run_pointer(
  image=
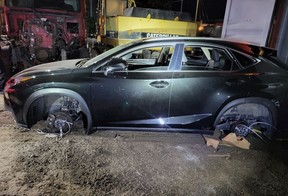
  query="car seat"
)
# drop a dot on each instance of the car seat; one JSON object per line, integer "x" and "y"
{"x": 215, "y": 59}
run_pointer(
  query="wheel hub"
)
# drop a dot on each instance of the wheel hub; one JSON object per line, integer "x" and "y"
{"x": 59, "y": 122}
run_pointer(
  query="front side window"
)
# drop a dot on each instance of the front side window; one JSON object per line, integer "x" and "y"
{"x": 151, "y": 58}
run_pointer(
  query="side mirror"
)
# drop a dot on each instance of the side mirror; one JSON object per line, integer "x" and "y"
{"x": 115, "y": 64}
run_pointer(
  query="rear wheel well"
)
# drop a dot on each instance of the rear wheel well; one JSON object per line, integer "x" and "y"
{"x": 248, "y": 111}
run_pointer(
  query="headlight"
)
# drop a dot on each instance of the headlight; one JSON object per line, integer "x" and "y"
{"x": 14, "y": 81}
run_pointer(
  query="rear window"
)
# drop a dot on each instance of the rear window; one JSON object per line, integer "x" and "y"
{"x": 244, "y": 60}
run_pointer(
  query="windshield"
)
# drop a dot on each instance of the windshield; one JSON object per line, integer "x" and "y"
{"x": 69, "y": 5}
{"x": 107, "y": 54}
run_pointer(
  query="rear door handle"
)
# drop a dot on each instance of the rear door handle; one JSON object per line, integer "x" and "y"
{"x": 159, "y": 84}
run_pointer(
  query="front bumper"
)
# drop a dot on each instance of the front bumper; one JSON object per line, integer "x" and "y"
{"x": 12, "y": 107}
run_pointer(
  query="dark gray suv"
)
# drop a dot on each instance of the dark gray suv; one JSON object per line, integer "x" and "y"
{"x": 169, "y": 84}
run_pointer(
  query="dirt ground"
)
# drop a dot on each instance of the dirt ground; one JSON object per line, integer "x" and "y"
{"x": 135, "y": 163}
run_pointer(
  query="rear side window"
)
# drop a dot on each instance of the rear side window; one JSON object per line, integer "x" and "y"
{"x": 205, "y": 58}
{"x": 243, "y": 59}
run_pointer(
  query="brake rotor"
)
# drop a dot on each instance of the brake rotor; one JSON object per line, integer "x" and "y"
{"x": 59, "y": 122}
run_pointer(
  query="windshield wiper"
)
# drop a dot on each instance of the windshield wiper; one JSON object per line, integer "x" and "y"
{"x": 80, "y": 63}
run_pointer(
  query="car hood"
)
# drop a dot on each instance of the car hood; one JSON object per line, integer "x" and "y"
{"x": 67, "y": 65}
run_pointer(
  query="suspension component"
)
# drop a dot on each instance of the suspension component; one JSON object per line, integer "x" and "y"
{"x": 241, "y": 130}
{"x": 70, "y": 106}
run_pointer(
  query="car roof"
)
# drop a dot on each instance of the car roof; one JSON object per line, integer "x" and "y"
{"x": 239, "y": 45}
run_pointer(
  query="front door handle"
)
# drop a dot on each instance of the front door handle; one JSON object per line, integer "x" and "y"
{"x": 235, "y": 82}
{"x": 159, "y": 84}
{"x": 274, "y": 85}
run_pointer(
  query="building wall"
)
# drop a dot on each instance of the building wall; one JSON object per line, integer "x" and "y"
{"x": 282, "y": 44}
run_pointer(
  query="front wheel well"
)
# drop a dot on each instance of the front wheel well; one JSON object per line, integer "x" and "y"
{"x": 43, "y": 106}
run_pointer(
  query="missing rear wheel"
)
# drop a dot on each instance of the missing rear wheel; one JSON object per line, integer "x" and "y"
{"x": 246, "y": 118}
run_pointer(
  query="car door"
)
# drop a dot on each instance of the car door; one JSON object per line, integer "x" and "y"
{"x": 138, "y": 96}
{"x": 206, "y": 81}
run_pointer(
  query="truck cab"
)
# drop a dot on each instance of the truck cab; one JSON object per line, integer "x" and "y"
{"x": 41, "y": 31}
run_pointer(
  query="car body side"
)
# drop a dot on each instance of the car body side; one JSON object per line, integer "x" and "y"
{"x": 192, "y": 100}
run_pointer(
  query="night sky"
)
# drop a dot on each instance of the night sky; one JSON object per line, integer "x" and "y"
{"x": 209, "y": 10}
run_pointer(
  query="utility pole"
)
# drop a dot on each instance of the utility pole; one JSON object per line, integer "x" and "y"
{"x": 196, "y": 11}
{"x": 181, "y": 7}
